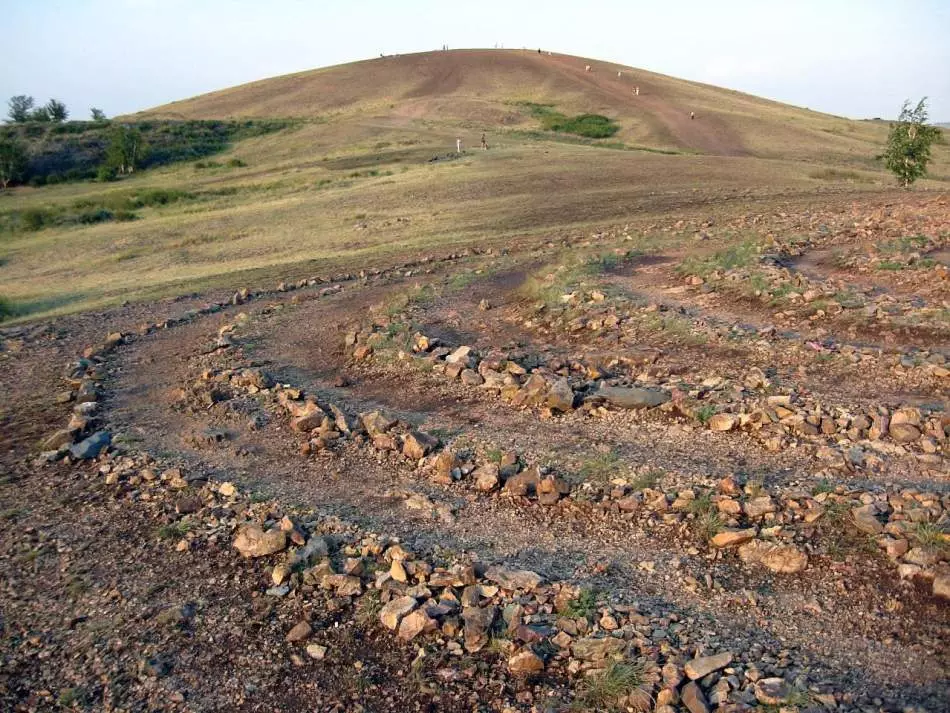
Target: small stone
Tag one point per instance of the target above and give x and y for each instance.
(525, 662)
(299, 632)
(92, 446)
(904, 432)
(560, 396)
(316, 651)
(941, 585)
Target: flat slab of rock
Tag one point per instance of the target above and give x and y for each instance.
(514, 578)
(705, 665)
(391, 614)
(632, 397)
(91, 447)
(591, 649)
(784, 559)
(252, 541)
(733, 538)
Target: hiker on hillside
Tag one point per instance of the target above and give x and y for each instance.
(458, 145)
(692, 115)
(636, 91)
(484, 142)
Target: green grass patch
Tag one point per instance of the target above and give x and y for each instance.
(735, 256)
(590, 126)
(584, 605)
(7, 308)
(837, 174)
(601, 467)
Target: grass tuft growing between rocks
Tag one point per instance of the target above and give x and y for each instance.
(583, 605)
(609, 691)
(735, 256)
(601, 467)
(931, 537)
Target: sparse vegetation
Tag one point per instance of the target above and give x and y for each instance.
(607, 691)
(583, 606)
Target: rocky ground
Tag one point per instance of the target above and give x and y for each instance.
(692, 466)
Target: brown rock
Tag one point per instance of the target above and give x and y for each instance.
(393, 611)
(757, 507)
(693, 698)
(786, 559)
(904, 432)
(594, 649)
(417, 445)
(733, 538)
(513, 579)
(722, 422)
(415, 623)
(705, 665)
(486, 477)
(866, 521)
(478, 621)
(525, 662)
(252, 541)
(299, 632)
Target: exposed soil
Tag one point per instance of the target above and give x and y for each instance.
(90, 571)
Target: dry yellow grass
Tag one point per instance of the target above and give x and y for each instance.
(358, 186)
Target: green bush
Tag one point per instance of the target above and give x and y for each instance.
(33, 219)
(591, 126)
(106, 173)
(6, 308)
(236, 163)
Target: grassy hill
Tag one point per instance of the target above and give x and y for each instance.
(480, 89)
(368, 170)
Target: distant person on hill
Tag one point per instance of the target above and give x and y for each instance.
(587, 68)
(692, 115)
(619, 74)
(458, 145)
(636, 91)
(484, 142)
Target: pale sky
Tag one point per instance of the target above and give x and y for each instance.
(856, 58)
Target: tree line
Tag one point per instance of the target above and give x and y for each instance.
(125, 150)
(23, 108)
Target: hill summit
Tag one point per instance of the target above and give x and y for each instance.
(489, 89)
